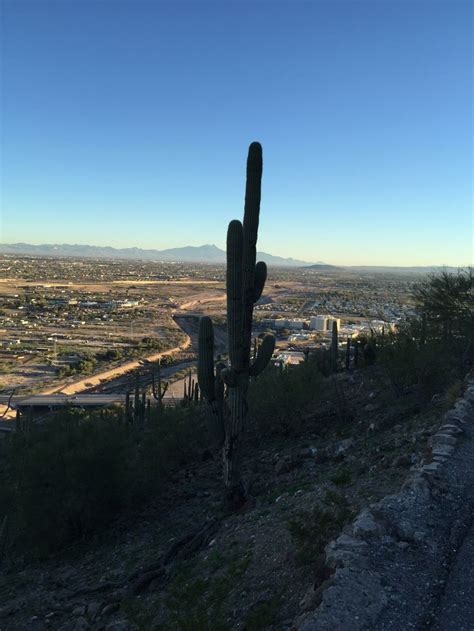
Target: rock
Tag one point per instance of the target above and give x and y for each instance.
(442, 450)
(431, 468)
(79, 610)
(344, 446)
(443, 439)
(285, 465)
(405, 530)
(313, 597)
(118, 625)
(419, 536)
(402, 461)
(365, 525)
(110, 608)
(345, 550)
(418, 483)
(454, 417)
(307, 452)
(309, 599)
(403, 545)
(93, 609)
(364, 599)
(450, 428)
(80, 624)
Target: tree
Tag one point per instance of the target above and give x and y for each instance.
(447, 301)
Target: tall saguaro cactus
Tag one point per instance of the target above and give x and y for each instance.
(244, 282)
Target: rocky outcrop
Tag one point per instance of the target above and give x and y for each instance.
(390, 565)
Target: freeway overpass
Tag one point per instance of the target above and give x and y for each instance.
(48, 402)
(54, 401)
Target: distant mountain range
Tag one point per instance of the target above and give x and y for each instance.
(198, 254)
(187, 254)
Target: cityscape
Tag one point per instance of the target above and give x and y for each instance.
(66, 319)
(236, 315)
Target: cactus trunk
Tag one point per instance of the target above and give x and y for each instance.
(334, 347)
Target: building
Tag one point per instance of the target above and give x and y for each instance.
(330, 322)
(296, 324)
(318, 323)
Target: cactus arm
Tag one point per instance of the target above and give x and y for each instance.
(260, 278)
(234, 293)
(264, 355)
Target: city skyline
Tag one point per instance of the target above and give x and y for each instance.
(126, 125)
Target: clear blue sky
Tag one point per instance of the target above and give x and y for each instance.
(127, 124)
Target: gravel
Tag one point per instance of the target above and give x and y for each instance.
(417, 569)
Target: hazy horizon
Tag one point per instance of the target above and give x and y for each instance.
(126, 124)
(275, 254)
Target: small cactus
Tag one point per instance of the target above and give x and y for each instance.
(158, 387)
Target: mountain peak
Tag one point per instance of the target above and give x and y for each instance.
(208, 253)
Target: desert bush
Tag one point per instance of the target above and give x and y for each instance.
(311, 530)
(70, 477)
(436, 348)
(447, 302)
(278, 399)
(429, 366)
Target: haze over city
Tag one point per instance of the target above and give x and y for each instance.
(126, 124)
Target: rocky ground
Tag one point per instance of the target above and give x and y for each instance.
(183, 564)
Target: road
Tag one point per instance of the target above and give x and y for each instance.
(456, 611)
(90, 382)
(112, 377)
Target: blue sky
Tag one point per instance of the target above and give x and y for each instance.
(127, 124)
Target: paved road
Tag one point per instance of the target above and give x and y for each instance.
(456, 611)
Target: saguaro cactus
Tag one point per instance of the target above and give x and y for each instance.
(158, 387)
(245, 281)
(334, 347)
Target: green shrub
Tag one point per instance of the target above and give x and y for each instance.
(79, 471)
(312, 530)
(278, 399)
(429, 367)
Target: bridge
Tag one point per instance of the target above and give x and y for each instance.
(61, 400)
(53, 401)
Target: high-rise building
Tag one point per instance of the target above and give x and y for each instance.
(318, 323)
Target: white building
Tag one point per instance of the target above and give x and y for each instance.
(318, 323)
(295, 324)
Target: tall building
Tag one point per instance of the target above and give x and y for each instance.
(330, 322)
(318, 323)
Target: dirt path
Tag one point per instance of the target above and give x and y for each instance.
(95, 380)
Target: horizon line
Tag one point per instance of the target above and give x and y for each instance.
(135, 247)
